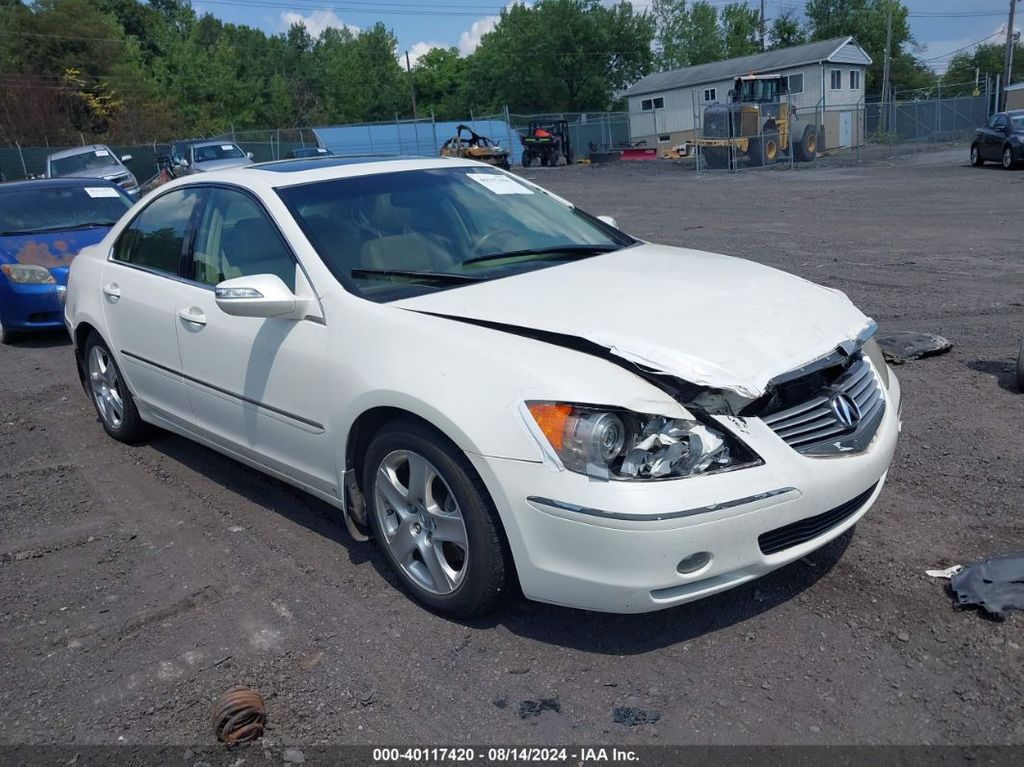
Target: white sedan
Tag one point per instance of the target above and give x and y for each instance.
(493, 384)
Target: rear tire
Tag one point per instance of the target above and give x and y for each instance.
(421, 491)
(976, 160)
(109, 393)
(807, 148)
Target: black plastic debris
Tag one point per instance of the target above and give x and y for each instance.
(899, 346)
(995, 584)
(631, 717)
(530, 708)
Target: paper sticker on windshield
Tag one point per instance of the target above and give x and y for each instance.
(101, 191)
(226, 147)
(499, 184)
(102, 153)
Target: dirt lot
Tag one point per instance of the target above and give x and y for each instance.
(136, 584)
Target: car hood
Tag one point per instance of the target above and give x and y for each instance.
(107, 172)
(714, 321)
(231, 162)
(53, 250)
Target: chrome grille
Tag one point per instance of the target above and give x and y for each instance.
(813, 427)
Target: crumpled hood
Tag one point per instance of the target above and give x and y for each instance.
(52, 250)
(712, 320)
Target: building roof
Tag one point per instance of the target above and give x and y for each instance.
(1015, 86)
(716, 71)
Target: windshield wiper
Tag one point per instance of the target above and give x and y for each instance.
(572, 251)
(435, 276)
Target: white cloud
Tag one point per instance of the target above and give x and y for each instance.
(419, 49)
(470, 39)
(316, 22)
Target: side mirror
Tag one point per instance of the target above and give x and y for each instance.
(126, 158)
(183, 162)
(608, 220)
(259, 295)
(250, 155)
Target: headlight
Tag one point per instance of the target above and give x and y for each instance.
(609, 443)
(28, 274)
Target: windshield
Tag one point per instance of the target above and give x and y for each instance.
(58, 208)
(213, 152)
(393, 235)
(75, 164)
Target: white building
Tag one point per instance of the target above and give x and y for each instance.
(826, 83)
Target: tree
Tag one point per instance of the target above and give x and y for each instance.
(441, 88)
(704, 41)
(740, 30)
(786, 31)
(865, 20)
(671, 24)
(560, 55)
(986, 59)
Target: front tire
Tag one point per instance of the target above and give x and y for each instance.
(1020, 368)
(114, 403)
(434, 520)
(807, 148)
(1008, 161)
(8, 336)
(976, 160)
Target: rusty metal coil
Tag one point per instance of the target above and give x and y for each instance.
(239, 716)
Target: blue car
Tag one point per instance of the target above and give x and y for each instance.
(43, 226)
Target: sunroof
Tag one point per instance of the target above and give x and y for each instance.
(327, 161)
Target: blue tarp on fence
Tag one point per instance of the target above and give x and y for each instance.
(423, 138)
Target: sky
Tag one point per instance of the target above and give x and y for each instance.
(940, 27)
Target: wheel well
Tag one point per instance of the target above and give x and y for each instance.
(81, 335)
(367, 425)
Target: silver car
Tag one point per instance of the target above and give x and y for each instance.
(93, 161)
(202, 156)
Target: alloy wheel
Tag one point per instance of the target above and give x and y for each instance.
(974, 155)
(1007, 158)
(421, 522)
(106, 387)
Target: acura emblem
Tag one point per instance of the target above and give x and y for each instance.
(845, 409)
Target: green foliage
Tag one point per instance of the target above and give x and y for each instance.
(559, 55)
(741, 30)
(785, 31)
(157, 70)
(985, 60)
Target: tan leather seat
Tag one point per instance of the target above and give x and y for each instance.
(404, 251)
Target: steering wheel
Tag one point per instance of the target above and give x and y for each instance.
(479, 250)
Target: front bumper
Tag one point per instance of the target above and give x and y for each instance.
(25, 307)
(629, 547)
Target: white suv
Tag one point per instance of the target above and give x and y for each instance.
(489, 381)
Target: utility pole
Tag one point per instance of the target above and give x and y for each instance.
(763, 45)
(887, 68)
(1008, 55)
(412, 86)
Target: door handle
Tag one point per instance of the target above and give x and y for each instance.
(112, 290)
(193, 314)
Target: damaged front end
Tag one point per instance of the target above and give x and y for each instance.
(617, 444)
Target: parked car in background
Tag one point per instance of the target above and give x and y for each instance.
(309, 151)
(1000, 140)
(43, 226)
(93, 161)
(203, 156)
(494, 383)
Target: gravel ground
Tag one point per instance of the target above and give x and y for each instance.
(137, 583)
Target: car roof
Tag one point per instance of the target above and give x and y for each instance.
(211, 142)
(79, 150)
(268, 176)
(63, 181)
